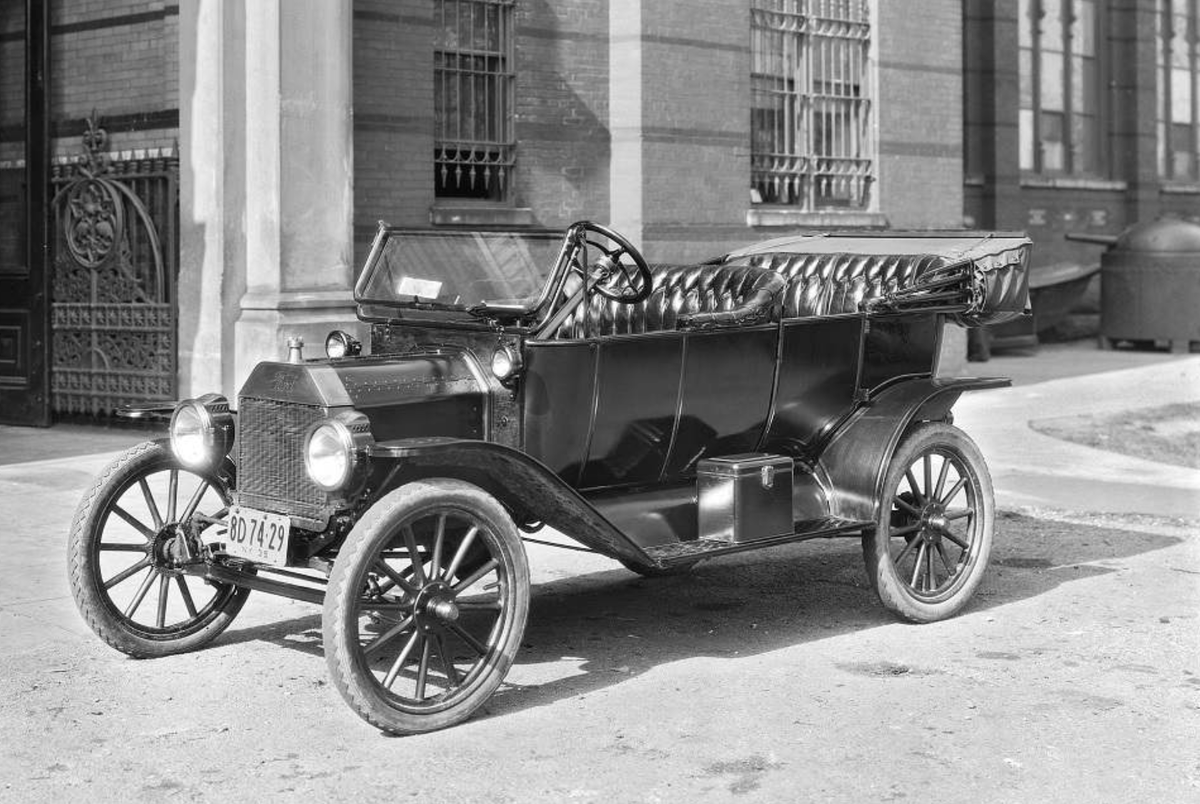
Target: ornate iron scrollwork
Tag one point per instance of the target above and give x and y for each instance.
(114, 305)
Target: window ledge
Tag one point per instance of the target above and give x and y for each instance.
(479, 215)
(1180, 188)
(830, 219)
(1072, 183)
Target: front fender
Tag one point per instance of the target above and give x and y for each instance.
(521, 483)
(857, 456)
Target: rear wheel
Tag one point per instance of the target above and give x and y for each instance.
(426, 606)
(930, 545)
(137, 531)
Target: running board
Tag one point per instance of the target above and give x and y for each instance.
(668, 555)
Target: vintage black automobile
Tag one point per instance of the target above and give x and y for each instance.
(657, 415)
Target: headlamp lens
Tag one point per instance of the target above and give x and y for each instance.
(328, 456)
(192, 435)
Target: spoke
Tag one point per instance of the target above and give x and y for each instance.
(959, 513)
(439, 539)
(141, 594)
(418, 565)
(461, 553)
(905, 530)
(945, 560)
(900, 556)
(478, 646)
(391, 634)
(913, 486)
(918, 565)
(478, 605)
(396, 579)
(390, 678)
(475, 576)
(941, 481)
(119, 547)
(158, 521)
(127, 573)
(370, 604)
(163, 587)
(128, 517)
(946, 534)
(447, 662)
(423, 671)
(173, 496)
(906, 505)
(957, 487)
(930, 572)
(927, 462)
(186, 595)
(194, 502)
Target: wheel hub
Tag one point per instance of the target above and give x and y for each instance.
(933, 522)
(170, 548)
(434, 606)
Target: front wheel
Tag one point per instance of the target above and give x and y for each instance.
(136, 534)
(930, 545)
(426, 606)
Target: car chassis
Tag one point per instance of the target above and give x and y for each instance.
(657, 415)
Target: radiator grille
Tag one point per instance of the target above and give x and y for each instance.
(270, 458)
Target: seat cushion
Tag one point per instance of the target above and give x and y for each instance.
(829, 284)
(698, 296)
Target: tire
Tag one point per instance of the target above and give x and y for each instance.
(433, 575)
(931, 541)
(145, 503)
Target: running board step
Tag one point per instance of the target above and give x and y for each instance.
(667, 555)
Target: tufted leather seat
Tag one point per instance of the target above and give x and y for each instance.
(690, 296)
(828, 284)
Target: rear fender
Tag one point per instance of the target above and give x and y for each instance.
(857, 456)
(522, 484)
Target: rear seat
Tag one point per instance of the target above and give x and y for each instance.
(829, 284)
(690, 296)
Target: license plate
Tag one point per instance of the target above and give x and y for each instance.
(258, 536)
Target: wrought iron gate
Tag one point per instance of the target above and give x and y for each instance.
(115, 264)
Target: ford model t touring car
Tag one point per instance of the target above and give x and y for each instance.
(658, 415)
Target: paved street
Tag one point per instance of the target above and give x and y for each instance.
(1074, 676)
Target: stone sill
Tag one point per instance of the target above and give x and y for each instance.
(480, 215)
(830, 219)
(1180, 188)
(1071, 183)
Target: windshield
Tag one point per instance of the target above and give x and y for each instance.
(473, 272)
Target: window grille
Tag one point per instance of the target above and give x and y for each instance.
(812, 145)
(1060, 87)
(1178, 89)
(473, 99)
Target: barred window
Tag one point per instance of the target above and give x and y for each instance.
(1060, 86)
(473, 99)
(1178, 89)
(811, 129)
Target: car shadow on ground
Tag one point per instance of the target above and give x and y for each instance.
(611, 626)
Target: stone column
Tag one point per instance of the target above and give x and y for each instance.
(298, 178)
(202, 337)
(625, 117)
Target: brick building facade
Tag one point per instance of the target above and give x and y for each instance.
(691, 125)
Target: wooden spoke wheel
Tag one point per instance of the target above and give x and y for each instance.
(426, 606)
(928, 550)
(136, 534)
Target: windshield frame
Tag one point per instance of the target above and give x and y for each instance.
(526, 316)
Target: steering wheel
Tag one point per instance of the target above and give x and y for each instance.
(633, 282)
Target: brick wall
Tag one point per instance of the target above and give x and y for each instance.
(920, 117)
(119, 58)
